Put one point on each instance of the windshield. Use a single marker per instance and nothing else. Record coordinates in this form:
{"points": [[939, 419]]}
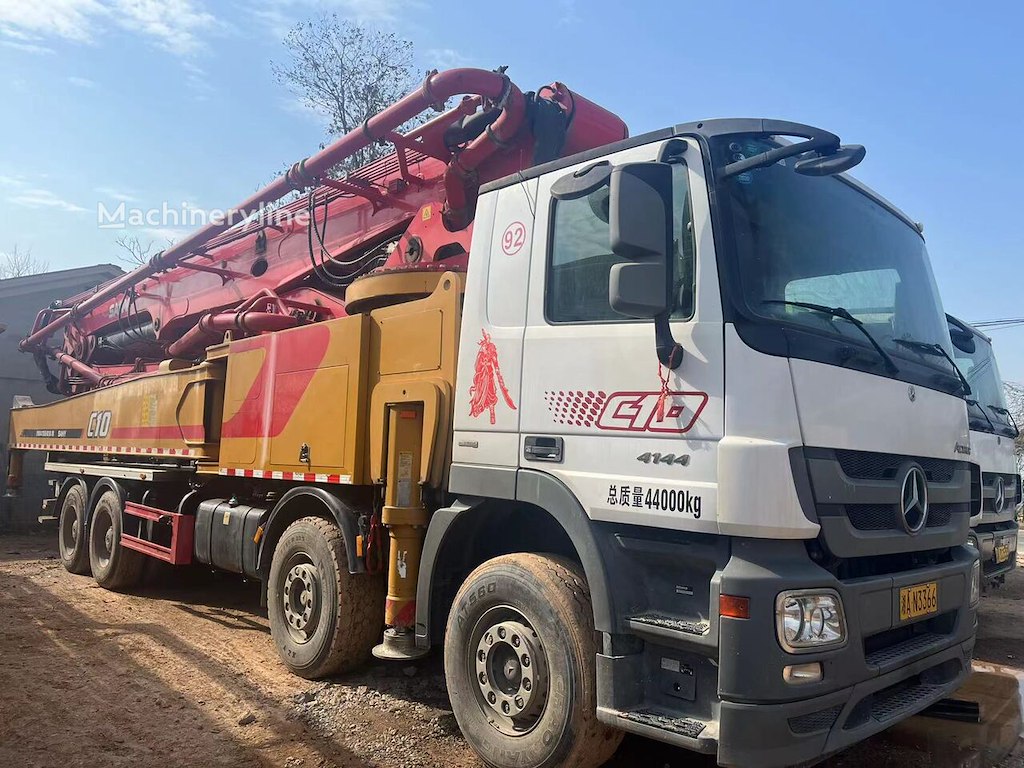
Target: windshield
{"points": [[982, 373], [820, 240]]}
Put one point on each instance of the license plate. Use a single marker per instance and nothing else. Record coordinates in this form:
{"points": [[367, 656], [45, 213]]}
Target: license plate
{"points": [[919, 600], [1002, 550]]}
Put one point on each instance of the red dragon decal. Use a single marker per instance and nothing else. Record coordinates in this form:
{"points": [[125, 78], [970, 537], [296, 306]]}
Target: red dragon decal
{"points": [[483, 394]]}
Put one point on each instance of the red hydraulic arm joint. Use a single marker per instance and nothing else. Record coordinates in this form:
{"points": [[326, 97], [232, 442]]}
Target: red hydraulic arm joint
{"points": [[493, 87], [211, 327], [244, 319], [84, 370]]}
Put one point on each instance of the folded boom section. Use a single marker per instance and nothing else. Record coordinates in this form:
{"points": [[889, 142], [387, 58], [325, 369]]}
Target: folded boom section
{"points": [[265, 269]]}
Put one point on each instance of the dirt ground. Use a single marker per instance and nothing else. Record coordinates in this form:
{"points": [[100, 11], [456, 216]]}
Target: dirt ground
{"points": [[184, 673]]}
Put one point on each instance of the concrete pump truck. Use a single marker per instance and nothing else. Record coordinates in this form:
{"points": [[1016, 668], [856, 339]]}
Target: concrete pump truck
{"points": [[648, 434], [993, 432]]}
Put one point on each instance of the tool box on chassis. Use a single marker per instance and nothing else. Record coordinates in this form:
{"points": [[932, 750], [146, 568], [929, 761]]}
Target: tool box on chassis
{"points": [[741, 531]]}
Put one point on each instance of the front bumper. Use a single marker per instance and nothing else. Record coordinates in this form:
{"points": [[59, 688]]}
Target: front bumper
{"points": [[989, 541], [888, 669], [795, 732], [678, 672]]}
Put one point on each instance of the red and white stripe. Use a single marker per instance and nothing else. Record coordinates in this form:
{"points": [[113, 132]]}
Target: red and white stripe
{"points": [[302, 477], [104, 449]]}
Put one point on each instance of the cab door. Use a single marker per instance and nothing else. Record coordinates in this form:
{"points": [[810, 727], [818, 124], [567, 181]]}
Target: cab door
{"points": [[593, 412], [489, 380]]}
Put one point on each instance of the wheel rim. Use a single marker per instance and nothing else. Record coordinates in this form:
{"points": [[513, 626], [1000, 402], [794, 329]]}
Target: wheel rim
{"points": [[69, 530], [300, 598], [103, 538], [510, 666]]}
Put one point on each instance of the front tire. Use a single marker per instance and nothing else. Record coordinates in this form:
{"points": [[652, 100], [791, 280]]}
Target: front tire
{"points": [[71, 538], [323, 619], [519, 659], [114, 566]]}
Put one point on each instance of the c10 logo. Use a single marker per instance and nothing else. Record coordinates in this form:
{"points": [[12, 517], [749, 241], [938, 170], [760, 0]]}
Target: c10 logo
{"points": [[637, 412], [99, 424]]}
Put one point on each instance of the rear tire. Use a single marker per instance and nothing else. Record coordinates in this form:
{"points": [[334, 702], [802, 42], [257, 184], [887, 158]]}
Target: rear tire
{"points": [[113, 566], [520, 663], [71, 537], [323, 619]]}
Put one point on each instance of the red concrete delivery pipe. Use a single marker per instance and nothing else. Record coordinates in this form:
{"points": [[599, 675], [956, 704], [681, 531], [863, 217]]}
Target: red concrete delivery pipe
{"points": [[437, 88]]}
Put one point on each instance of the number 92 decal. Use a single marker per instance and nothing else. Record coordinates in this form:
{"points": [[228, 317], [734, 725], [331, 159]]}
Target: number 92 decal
{"points": [[513, 238]]}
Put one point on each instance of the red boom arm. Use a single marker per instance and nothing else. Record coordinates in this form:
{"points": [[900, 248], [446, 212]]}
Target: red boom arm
{"points": [[392, 209]]}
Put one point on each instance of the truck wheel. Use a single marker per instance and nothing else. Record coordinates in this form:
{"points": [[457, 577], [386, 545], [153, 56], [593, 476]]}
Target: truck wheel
{"points": [[519, 659], [323, 619], [72, 539], [113, 566]]}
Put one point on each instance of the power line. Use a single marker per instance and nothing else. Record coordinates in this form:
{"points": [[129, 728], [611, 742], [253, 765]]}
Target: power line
{"points": [[1008, 322]]}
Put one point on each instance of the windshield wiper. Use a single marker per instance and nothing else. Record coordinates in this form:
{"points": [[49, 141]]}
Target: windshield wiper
{"points": [[999, 409], [937, 350], [843, 313], [979, 406]]}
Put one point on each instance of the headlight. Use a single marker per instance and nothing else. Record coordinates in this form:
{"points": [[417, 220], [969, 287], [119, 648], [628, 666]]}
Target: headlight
{"points": [[976, 583], [809, 620], [1013, 542]]}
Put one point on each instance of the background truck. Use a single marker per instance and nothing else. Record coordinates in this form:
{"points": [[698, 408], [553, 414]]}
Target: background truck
{"points": [[650, 434], [993, 431]]}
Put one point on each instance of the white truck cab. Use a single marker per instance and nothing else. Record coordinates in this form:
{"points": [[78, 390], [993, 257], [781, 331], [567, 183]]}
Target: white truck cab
{"points": [[769, 488], [993, 431]]}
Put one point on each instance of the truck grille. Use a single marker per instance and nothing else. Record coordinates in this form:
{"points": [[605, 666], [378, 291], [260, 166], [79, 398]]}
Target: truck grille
{"points": [[857, 495], [884, 517], [864, 465], [1011, 491]]}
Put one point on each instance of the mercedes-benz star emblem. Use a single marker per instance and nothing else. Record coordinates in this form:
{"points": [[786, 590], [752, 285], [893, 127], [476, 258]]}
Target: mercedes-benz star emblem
{"points": [[914, 499], [999, 497]]}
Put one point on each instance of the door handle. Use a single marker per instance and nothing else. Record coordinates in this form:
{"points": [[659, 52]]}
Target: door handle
{"points": [[538, 448]]}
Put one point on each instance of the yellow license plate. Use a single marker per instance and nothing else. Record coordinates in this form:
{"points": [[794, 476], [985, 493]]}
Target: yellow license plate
{"points": [[919, 600], [1002, 552]]}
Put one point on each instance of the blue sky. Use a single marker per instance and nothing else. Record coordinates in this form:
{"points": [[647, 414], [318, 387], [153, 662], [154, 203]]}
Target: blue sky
{"points": [[174, 100]]}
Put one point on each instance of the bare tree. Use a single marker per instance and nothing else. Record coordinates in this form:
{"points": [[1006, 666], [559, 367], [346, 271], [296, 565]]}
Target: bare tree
{"points": [[18, 263], [133, 251], [348, 73], [1015, 404]]}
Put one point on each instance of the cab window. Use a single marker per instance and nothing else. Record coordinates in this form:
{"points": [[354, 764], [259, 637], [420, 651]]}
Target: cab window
{"points": [[580, 258]]}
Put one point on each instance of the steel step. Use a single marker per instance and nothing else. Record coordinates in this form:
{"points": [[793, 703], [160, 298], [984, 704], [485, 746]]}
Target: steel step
{"points": [[660, 627], [687, 732], [182, 534]]}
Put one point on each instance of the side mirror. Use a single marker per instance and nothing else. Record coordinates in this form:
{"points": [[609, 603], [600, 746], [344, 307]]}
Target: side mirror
{"points": [[637, 290], [961, 335], [640, 226], [831, 163], [962, 341], [640, 222]]}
